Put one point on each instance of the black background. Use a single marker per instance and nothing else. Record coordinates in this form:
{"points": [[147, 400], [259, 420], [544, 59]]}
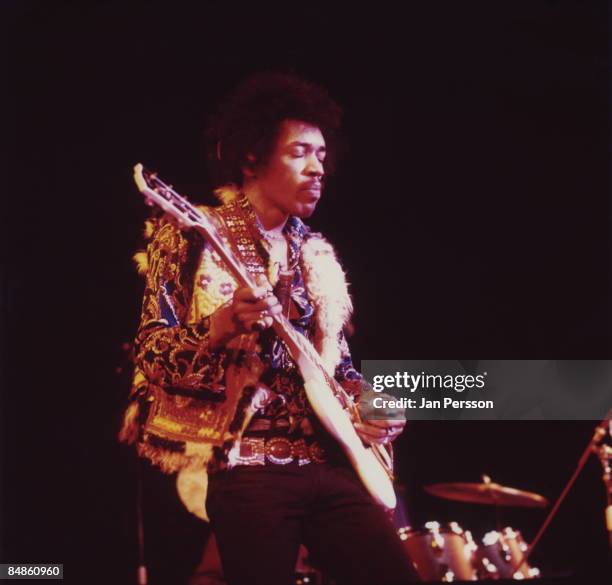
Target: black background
{"points": [[472, 215]]}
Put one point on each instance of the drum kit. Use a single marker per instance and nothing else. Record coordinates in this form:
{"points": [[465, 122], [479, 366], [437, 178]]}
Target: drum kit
{"points": [[447, 552]]}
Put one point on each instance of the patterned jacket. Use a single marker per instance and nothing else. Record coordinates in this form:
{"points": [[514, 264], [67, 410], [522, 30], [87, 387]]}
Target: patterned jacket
{"points": [[180, 414]]}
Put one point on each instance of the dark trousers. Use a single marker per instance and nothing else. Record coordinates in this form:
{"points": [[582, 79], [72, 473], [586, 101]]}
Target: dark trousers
{"points": [[261, 514]]}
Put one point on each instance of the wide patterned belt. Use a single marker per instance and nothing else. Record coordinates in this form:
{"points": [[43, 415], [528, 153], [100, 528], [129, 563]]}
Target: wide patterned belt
{"points": [[276, 451]]}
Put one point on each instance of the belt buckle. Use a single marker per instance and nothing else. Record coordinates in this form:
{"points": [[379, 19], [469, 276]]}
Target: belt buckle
{"points": [[279, 450]]}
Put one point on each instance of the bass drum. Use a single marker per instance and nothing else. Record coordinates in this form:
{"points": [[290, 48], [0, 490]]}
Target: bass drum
{"points": [[441, 552], [501, 554]]}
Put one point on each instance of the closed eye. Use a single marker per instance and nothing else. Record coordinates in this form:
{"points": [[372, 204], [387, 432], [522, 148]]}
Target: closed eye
{"points": [[301, 149]]}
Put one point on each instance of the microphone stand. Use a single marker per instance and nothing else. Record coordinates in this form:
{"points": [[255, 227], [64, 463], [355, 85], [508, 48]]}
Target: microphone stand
{"points": [[142, 578], [602, 429]]}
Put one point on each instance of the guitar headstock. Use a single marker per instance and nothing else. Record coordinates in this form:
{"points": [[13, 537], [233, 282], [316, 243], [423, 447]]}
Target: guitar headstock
{"points": [[186, 215], [156, 192]]}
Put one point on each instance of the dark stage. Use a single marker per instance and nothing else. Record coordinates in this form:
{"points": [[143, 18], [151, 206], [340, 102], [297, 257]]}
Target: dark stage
{"points": [[471, 212]]}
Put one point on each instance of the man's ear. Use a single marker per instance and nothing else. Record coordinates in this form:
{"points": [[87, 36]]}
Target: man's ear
{"points": [[248, 169]]}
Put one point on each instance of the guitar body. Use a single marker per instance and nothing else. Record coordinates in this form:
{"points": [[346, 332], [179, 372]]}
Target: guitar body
{"points": [[338, 423], [332, 405]]}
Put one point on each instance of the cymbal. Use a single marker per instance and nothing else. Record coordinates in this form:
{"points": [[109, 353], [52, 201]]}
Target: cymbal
{"points": [[487, 493]]}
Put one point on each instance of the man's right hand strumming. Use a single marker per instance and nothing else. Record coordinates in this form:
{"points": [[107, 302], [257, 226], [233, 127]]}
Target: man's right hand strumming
{"points": [[251, 309]]}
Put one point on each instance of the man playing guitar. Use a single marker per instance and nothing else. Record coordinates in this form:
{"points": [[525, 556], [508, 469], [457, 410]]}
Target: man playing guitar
{"points": [[277, 476]]}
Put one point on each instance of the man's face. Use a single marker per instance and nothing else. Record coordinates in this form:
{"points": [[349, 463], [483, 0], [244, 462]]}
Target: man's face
{"points": [[291, 180]]}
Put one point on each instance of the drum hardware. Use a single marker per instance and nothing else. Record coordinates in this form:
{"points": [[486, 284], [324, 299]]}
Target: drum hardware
{"points": [[447, 553], [441, 552], [501, 551], [488, 493]]}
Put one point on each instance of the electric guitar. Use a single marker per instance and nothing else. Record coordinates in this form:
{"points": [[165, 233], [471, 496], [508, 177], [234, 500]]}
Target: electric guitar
{"points": [[333, 406]]}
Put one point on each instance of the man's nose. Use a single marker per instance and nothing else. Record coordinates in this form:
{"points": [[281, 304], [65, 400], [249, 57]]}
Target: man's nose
{"points": [[314, 167]]}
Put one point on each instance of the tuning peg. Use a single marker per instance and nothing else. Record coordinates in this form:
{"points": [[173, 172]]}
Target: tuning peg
{"points": [[149, 202]]}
